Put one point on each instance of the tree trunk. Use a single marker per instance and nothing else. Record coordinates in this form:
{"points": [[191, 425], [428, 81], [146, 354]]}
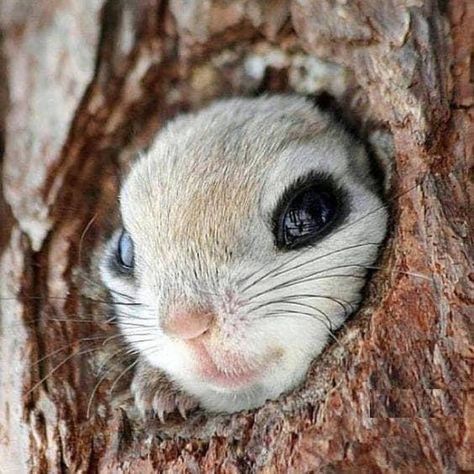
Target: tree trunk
{"points": [[85, 85]]}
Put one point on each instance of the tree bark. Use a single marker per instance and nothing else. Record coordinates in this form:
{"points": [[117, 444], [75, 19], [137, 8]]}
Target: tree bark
{"points": [[85, 85]]}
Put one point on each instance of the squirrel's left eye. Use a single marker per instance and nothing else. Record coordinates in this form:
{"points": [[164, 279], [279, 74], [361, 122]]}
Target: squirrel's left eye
{"points": [[125, 251], [306, 211]]}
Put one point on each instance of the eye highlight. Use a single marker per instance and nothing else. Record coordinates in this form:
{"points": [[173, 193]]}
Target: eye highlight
{"points": [[307, 211], [125, 251]]}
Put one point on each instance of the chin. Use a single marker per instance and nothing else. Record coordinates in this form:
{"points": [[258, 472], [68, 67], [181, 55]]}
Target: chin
{"points": [[228, 382], [229, 397]]}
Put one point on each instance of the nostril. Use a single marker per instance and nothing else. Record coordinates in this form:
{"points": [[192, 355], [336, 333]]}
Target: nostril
{"points": [[188, 324]]}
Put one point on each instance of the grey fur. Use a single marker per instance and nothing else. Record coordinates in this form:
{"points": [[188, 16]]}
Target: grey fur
{"points": [[198, 206]]}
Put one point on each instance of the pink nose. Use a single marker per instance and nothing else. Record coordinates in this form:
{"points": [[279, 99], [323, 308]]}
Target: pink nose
{"points": [[188, 323]]}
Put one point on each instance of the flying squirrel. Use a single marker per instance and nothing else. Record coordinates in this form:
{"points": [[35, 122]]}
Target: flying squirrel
{"points": [[248, 229]]}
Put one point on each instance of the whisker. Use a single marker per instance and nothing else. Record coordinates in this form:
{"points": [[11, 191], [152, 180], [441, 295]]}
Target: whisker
{"points": [[341, 302], [66, 298], [305, 305], [312, 260], [51, 372], [127, 369], [309, 277], [287, 313], [273, 272], [115, 336], [68, 346], [301, 280], [83, 235], [121, 354], [133, 321], [101, 286], [124, 322]]}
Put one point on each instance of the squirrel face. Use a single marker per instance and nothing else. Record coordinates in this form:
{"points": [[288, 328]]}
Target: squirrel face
{"points": [[248, 229]]}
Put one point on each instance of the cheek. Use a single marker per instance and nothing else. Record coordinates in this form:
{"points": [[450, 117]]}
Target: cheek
{"points": [[171, 357], [290, 337], [122, 291]]}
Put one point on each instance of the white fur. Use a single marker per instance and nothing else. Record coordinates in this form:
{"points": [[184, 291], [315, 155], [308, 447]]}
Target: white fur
{"points": [[198, 206]]}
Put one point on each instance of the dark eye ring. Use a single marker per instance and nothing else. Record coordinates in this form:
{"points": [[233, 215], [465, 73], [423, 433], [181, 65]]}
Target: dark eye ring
{"points": [[305, 213], [125, 251]]}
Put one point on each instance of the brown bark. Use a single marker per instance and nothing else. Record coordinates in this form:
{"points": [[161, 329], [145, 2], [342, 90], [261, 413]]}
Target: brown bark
{"points": [[84, 85]]}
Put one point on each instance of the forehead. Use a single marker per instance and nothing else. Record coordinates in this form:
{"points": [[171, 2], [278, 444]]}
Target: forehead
{"points": [[203, 176]]}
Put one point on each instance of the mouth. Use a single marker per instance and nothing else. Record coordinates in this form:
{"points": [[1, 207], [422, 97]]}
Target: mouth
{"points": [[233, 373]]}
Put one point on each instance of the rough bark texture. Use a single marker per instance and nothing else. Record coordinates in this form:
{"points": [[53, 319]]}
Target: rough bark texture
{"points": [[85, 84]]}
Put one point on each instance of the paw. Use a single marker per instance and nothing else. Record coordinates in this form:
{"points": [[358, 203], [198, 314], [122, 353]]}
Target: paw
{"points": [[155, 395]]}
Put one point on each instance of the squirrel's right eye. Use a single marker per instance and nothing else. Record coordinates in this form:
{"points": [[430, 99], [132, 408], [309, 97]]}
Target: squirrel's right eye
{"points": [[125, 251]]}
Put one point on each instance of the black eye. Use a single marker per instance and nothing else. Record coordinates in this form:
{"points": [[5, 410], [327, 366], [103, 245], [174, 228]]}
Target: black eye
{"points": [[306, 212], [125, 251]]}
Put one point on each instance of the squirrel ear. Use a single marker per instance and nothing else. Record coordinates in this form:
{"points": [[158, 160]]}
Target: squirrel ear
{"points": [[378, 142], [340, 112], [382, 151], [323, 100]]}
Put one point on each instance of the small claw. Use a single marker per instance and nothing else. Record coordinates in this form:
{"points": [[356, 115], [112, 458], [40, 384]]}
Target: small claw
{"points": [[156, 396], [141, 406], [182, 410], [161, 415]]}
